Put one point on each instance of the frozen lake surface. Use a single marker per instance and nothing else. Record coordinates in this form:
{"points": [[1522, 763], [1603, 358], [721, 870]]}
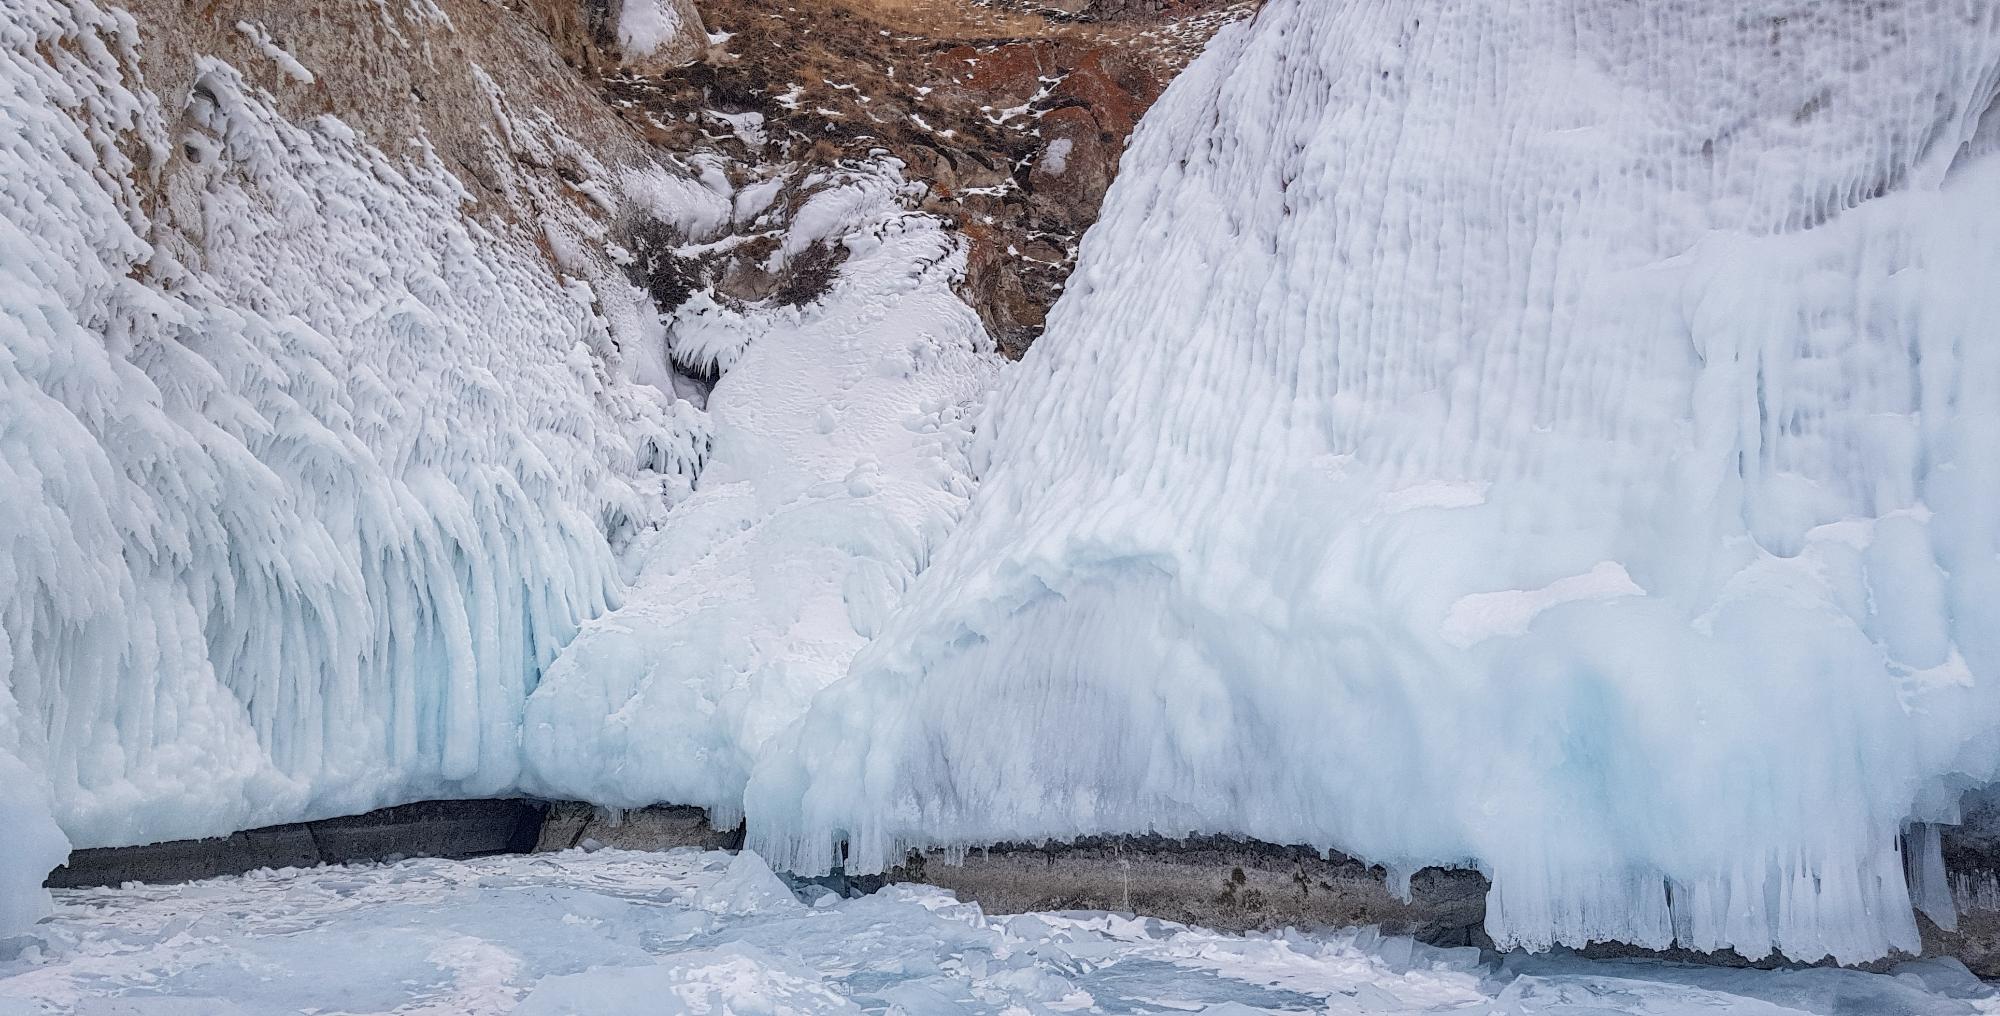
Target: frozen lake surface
{"points": [[614, 932]]}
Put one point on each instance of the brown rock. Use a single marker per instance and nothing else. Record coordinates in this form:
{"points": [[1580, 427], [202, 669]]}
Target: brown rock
{"points": [[1074, 168], [1211, 881], [1091, 84]]}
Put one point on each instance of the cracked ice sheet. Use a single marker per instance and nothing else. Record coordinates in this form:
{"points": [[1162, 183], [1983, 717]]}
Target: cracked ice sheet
{"points": [[617, 932]]}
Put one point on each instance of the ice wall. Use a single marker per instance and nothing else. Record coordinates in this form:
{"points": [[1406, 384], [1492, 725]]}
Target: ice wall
{"points": [[1558, 436], [304, 475]]}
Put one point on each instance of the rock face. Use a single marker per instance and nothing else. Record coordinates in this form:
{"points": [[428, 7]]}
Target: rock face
{"points": [[453, 829], [1213, 882], [448, 70], [640, 36], [1013, 118], [573, 824], [1971, 856]]}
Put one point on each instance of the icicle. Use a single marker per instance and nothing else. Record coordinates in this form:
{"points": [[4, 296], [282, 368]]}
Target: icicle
{"points": [[1930, 889]]}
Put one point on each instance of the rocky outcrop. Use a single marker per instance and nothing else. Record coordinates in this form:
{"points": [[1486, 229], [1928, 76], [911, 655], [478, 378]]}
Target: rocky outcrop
{"points": [[1214, 882], [453, 829], [572, 824], [489, 87], [1013, 118], [599, 37]]}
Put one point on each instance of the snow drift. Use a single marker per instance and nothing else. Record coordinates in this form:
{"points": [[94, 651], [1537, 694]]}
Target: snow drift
{"points": [[1557, 436]]}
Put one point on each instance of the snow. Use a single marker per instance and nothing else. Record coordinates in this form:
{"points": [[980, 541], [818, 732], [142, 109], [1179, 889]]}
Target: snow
{"points": [[613, 933], [838, 463], [1056, 160], [278, 54], [1480, 616], [646, 25], [1555, 437], [748, 127]]}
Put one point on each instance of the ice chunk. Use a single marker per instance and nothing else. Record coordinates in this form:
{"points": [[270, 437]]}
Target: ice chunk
{"points": [[646, 26], [1923, 861], [30, 842], [750, 887]]}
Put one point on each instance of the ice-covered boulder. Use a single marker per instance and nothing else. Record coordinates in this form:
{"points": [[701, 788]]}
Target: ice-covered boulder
{"points": [[1558, 436]]}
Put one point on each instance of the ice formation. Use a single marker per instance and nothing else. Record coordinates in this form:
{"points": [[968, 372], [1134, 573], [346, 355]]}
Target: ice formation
{"points": [[307, 477], [304, 475], [1557, 436], [837, 463]]}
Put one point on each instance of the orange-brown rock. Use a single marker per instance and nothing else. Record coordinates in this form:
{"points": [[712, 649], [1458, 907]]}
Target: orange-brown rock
{"points": [[1014, 115]]}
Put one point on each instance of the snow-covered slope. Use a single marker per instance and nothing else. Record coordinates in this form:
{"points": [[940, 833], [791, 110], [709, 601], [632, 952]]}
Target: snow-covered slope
{"points": [[1560, 436]]}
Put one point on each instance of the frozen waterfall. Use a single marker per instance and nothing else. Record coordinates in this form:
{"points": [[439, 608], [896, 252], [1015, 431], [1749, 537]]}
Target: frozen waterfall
{"points": [[303, 474], [1556, 436], [1560, 437]]}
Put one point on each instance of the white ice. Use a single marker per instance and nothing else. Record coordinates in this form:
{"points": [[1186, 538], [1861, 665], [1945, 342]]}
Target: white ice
{"points": [[624, 934], [306, 476], [304, 473], [838, 462], [1560, 437]]}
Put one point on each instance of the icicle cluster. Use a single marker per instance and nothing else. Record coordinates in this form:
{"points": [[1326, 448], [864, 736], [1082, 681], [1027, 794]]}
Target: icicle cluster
{"points": [[303, 476]]}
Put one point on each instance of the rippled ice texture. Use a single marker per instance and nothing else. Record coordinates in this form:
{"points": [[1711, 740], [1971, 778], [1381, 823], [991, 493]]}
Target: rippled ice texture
{"points": [[1556, 435], [688, 932]]}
